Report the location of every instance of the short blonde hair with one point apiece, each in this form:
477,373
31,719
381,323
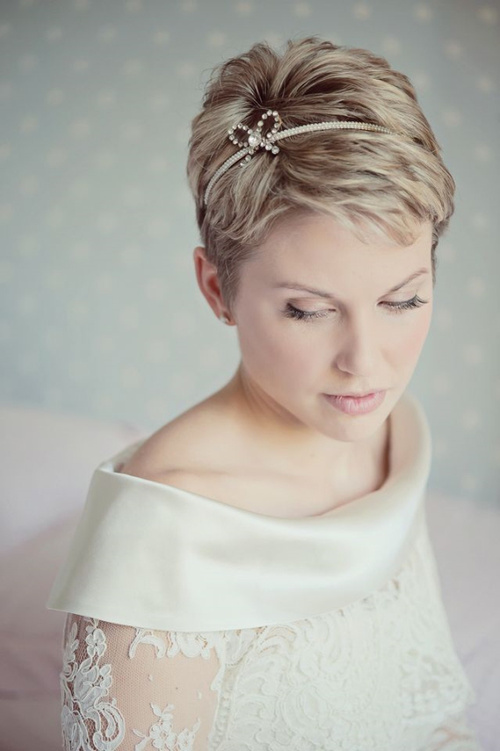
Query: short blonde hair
382,182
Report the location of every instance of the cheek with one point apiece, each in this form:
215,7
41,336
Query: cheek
411,343
281,353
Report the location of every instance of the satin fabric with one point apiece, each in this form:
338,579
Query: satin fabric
150,555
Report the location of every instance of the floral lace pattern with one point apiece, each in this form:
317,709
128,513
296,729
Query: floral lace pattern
90,716
378,675
85,690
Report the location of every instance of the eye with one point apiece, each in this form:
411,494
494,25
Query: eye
396,307
303,315
415,302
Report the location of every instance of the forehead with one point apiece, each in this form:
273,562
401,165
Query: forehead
318,226
319,241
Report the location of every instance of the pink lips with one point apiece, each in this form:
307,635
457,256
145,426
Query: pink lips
351,405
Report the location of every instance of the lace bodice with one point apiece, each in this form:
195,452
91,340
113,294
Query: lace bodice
380,674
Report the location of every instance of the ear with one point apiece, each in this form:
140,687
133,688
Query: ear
208,282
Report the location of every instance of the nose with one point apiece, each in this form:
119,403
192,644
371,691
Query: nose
358,347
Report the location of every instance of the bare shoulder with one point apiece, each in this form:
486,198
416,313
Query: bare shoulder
204,451
183,446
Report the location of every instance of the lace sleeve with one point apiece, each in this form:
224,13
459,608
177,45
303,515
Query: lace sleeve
136,689
455,735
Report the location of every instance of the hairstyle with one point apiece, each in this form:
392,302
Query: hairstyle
367,181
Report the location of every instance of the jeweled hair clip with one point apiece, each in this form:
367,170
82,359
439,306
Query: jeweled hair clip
256,139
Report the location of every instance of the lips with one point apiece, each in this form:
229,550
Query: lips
359,396
357,405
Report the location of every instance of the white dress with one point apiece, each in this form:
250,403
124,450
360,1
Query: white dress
194,625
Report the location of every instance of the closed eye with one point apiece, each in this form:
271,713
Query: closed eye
396,307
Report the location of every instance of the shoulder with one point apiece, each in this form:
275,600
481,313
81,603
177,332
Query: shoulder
185,456
195,444
206,452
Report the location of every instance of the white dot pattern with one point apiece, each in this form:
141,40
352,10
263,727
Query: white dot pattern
99,305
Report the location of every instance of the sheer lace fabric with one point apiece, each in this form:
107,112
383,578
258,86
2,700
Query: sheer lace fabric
378,675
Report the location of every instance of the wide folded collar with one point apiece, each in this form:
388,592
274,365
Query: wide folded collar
155,556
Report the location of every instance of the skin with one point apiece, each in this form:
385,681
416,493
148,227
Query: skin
358,346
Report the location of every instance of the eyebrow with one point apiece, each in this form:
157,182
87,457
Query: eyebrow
322,293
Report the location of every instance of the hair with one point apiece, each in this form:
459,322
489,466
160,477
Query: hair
366,180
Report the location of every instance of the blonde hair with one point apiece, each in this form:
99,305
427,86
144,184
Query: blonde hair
372,180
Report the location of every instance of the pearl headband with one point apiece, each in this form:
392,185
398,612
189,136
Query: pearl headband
256,140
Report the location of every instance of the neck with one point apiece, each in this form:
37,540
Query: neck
286,447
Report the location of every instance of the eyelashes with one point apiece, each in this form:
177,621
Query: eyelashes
396,307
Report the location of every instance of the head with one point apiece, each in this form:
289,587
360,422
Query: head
351,212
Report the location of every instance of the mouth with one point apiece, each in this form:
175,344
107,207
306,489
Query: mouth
360,395
357,405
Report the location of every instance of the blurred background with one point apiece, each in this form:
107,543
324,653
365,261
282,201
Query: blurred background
101,315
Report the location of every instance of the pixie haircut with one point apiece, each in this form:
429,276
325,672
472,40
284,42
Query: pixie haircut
368,181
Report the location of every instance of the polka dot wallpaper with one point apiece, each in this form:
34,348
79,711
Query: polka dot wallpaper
100,309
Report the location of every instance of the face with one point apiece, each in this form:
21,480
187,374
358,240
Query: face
297,345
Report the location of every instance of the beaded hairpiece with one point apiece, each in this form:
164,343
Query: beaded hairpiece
256,140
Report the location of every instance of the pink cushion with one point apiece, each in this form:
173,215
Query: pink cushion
47,460
465,535
31,635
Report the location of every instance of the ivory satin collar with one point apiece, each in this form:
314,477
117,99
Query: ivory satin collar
150,555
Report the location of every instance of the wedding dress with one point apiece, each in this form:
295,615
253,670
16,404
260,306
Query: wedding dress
194,625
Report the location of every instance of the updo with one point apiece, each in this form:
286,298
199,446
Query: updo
367,181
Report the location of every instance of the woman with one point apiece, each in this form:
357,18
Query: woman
257,574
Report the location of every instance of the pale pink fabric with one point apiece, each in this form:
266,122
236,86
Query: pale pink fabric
47,458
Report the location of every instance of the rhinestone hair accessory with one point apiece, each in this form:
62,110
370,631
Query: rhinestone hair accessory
257,140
